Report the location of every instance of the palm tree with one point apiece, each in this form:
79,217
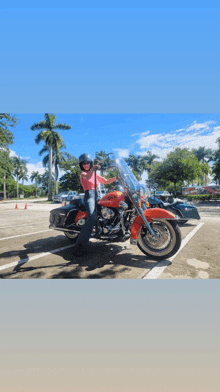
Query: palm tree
6,168
138,164
19,170
204,155
102,156
150,158
23,176
44,180
52,139
216,165
6,136
35,176
58,157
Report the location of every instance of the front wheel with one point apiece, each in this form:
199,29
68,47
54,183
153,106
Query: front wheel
71,236
165,244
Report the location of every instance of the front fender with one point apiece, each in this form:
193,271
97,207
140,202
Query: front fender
150,214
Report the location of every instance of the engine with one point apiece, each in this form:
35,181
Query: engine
107,213
110,221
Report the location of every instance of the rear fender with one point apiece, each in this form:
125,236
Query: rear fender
150,214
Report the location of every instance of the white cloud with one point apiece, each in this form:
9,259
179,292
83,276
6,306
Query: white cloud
12,154
198,126
122,152
34,167
141,133
196,135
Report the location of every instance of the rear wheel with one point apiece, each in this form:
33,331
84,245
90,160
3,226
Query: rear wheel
165,244
71,236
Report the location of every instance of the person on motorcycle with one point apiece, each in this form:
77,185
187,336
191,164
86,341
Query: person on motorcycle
87,179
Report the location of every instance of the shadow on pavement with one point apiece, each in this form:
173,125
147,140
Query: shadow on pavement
103,260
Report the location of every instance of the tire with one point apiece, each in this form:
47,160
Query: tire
71,236
166,245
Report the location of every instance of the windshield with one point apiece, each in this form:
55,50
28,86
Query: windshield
135,190
127,177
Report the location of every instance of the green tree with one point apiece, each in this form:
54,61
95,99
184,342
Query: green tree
6,168
6,136
11,187
204,155
179,166
24,174
150,159
71,179
6,139
106,159
19,170
216,165
138,164
44,181
35,176
52,139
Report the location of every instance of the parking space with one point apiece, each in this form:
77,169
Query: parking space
30,250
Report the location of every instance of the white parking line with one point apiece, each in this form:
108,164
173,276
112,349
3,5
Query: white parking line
15,263
22,235
25,224
160,267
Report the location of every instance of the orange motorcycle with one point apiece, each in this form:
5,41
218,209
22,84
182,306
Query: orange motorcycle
122,214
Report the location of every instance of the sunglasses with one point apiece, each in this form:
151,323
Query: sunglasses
86,163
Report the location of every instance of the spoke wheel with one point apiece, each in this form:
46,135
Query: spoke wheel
165,244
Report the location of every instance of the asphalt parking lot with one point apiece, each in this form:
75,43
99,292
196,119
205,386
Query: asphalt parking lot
29,249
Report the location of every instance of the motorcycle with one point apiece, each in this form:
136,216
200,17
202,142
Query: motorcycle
122,214
182,210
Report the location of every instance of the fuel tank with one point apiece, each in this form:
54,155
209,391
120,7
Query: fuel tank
112,199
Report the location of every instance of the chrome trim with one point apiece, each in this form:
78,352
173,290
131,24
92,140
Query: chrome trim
63,229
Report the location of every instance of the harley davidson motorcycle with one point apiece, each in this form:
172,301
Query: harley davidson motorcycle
122,214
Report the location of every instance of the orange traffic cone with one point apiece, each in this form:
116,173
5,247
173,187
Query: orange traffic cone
25,208
16,207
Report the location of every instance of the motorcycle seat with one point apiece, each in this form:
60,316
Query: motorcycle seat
167,204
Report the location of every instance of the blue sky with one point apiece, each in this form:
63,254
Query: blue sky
129,133
110,57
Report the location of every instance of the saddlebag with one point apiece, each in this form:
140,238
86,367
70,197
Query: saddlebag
63,217
187,211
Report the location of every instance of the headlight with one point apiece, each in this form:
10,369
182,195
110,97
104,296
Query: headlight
141,190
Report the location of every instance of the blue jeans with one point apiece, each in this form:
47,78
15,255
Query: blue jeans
89,200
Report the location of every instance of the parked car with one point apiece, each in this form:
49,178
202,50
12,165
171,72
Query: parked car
57,198
64,196
60,197
71,195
